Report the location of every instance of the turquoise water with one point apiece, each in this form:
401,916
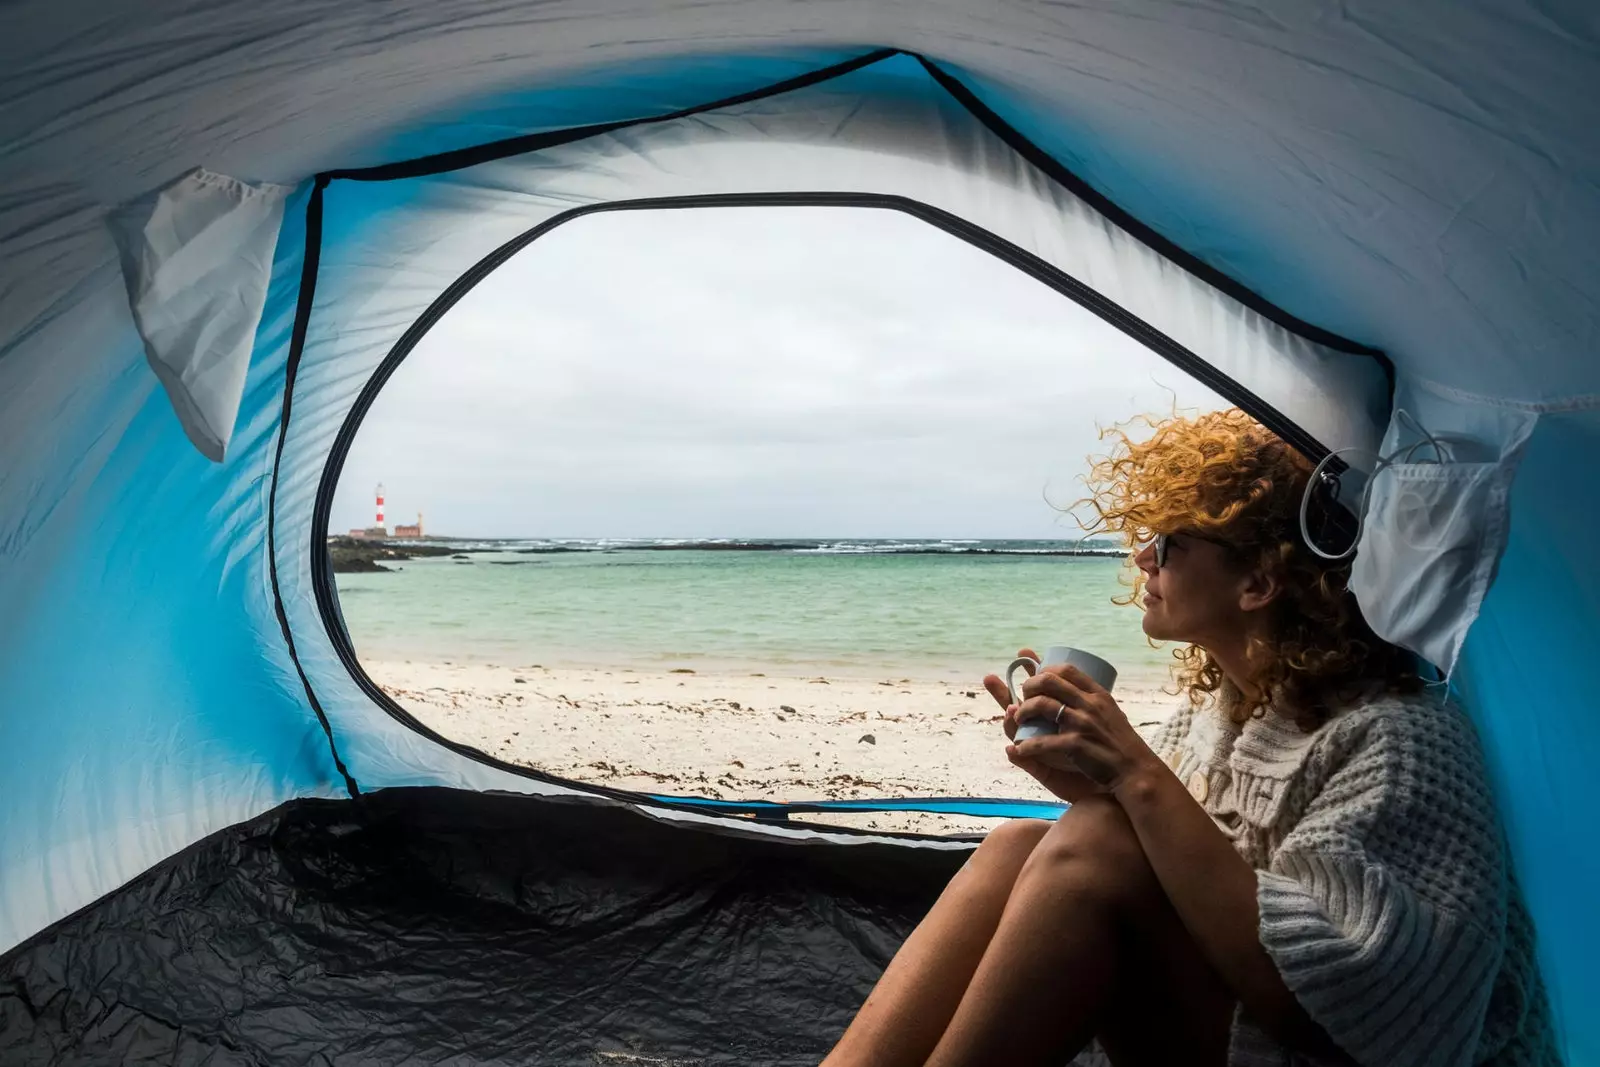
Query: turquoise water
863,613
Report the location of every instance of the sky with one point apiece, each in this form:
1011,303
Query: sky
752,372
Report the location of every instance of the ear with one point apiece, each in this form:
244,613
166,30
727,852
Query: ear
1258,588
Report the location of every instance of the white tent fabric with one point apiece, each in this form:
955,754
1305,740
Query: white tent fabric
196,258
1421,178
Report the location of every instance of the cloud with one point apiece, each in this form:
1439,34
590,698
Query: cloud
752,372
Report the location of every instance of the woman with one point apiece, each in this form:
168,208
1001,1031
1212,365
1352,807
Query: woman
1305,866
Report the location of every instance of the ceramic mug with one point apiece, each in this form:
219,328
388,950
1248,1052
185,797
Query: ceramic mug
1098,670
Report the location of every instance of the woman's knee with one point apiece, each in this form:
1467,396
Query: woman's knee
993,867
1012,842
1094,843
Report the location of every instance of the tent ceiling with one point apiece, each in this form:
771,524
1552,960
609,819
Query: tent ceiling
1416,176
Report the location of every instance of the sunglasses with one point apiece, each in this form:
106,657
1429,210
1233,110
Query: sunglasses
1163,542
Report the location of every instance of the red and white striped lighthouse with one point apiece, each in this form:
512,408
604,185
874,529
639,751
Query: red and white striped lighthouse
380,506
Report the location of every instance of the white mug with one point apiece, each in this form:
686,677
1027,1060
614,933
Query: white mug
1098,670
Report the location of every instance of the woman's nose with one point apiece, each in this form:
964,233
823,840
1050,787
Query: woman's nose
1145,558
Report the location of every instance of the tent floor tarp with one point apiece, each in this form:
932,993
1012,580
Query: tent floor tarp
430,925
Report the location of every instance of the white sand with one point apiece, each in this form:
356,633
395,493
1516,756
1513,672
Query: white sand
739,736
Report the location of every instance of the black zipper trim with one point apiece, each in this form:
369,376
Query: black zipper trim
460,158
1140,231
302,319
1021,259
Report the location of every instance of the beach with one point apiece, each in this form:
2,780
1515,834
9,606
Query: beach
740,735
783,672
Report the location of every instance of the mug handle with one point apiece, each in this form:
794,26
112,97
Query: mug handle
1021,661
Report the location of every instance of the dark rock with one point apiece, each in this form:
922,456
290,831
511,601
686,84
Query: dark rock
361,566
351,556
867,739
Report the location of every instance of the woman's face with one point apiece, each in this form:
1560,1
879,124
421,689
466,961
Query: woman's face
1196,597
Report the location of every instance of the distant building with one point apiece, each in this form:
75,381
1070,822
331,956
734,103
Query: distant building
377,531
403,530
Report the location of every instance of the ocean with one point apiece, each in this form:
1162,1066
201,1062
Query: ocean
930,609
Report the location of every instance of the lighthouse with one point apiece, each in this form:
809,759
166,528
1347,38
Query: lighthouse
377,531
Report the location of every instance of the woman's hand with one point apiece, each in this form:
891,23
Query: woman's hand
1094,741
1065,783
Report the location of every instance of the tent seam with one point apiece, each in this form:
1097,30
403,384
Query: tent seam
302,320
1580,402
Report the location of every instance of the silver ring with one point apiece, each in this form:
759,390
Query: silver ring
1062,710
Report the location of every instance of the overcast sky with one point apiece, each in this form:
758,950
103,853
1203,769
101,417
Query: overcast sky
752,372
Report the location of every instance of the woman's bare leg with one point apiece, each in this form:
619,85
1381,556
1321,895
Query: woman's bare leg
912,1003
1088,945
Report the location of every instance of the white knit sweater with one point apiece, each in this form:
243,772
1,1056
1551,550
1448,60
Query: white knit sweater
1383,885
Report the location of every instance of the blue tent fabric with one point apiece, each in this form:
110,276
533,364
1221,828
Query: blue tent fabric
1421,178
1535,707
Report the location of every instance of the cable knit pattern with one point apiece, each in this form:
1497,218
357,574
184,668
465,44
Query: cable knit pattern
1383,885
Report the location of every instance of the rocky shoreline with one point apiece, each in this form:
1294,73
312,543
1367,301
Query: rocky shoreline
352,556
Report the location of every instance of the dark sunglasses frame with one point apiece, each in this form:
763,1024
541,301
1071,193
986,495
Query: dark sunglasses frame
1164,539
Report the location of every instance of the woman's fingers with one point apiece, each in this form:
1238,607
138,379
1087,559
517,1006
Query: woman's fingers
1054,679
1062,690
1039,707
997,689
1075,675
1002,696
1094,737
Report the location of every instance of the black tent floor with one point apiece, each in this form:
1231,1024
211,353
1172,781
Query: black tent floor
437,926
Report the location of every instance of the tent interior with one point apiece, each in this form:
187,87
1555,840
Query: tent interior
224,226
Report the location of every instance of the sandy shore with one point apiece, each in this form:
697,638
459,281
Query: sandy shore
739,736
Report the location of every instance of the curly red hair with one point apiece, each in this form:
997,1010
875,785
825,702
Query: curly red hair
1223,475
